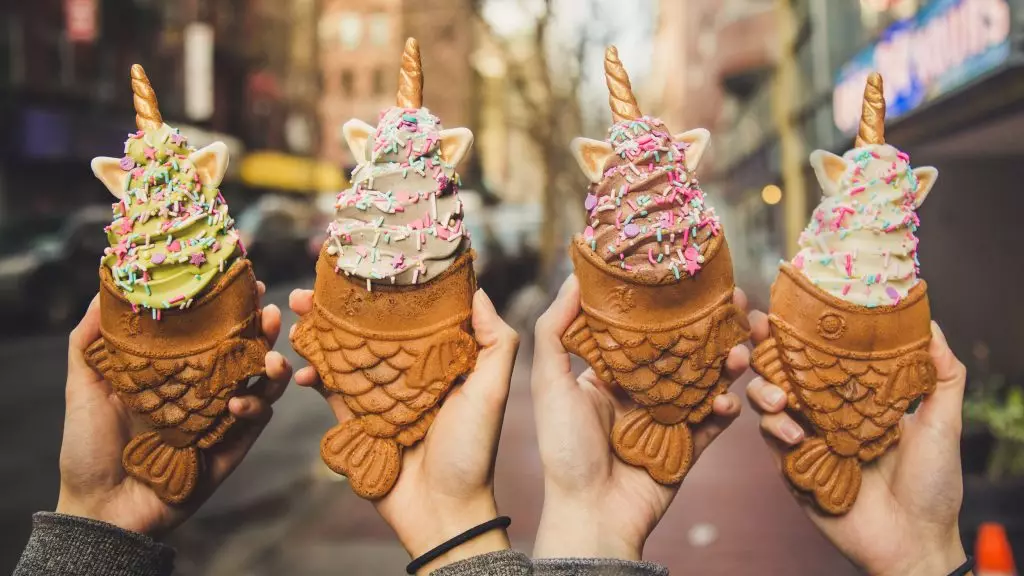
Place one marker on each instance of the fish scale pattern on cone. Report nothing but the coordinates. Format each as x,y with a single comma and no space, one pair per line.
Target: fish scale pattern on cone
851,372
392,379
180,383
666,346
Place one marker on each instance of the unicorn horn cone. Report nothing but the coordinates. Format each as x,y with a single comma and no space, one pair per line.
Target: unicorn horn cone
620,91
147,110
410,78
872,117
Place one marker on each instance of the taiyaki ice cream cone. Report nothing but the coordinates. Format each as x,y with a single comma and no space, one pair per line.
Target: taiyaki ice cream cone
656,283
849,317
390,325
179,307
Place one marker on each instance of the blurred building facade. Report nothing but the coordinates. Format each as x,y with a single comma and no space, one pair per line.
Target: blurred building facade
219,68
360,52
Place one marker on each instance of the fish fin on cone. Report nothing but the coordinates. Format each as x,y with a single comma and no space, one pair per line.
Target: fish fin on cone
371,464
766,360
171,472
579,339
664,450
305,342
833,480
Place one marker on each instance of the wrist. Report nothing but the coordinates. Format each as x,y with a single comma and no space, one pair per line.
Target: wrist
581,531
449,520
100,511
938,560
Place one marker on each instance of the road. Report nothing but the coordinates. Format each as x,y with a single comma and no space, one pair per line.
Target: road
282,512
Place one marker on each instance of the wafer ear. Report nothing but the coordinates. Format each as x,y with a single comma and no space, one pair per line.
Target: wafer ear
357,134
926,176
829,169
698,140
211,163
108,171
591,155
455,143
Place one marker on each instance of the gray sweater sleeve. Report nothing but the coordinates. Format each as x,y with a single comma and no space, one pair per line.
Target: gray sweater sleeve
63,545
502,563
595,567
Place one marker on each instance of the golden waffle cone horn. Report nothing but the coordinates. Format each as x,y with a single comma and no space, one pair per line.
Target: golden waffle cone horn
872,117
620,92
410,78
147,111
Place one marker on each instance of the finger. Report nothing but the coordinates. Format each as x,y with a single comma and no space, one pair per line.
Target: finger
254,414
783,428
261,288
87,332
301,301
499,344
271,319
279,373
250,408
724,410
737,362
550,360
740,300
759,329
766,397
944,407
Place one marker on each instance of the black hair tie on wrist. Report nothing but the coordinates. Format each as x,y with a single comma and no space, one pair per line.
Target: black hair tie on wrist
437,552
964,568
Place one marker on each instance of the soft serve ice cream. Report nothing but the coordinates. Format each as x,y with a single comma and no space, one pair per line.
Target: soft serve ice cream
401,221
171,234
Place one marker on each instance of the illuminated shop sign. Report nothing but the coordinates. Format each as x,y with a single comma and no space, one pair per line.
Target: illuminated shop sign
945,45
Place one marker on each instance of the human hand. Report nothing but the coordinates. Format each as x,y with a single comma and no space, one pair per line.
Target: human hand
595,505
446,484
97,427
905,518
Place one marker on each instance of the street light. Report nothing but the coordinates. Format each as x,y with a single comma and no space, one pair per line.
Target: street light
771,194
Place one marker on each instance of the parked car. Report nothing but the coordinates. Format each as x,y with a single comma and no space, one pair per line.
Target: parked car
275,233
48,266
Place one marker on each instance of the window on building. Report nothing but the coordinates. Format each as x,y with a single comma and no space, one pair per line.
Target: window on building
378,82
380,29
348,83
350,30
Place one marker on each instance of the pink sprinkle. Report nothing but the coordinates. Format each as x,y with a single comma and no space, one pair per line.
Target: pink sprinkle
893,294
631,230
798,262
846,290
591,202
690,253
361,250
150,153
857,190
849,265
174,246
650,255
588,233
158,258
692,267
177,298
631,205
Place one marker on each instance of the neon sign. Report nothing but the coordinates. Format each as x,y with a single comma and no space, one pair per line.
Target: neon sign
945,45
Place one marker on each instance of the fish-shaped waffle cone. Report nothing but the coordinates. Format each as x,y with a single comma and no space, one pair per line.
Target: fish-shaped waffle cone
176,374
851,372
392,353
663,343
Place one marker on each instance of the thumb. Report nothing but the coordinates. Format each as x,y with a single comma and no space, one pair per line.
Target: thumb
498,342
550,360
87,332
944,408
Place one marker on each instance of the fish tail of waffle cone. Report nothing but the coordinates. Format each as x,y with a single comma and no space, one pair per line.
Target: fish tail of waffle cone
665,344
177,374
850,373
392,353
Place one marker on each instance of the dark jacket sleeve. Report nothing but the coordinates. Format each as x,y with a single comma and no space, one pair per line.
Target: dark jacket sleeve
595,567
63,545
502,563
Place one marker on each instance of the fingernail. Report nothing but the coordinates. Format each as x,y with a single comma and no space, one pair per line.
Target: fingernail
791,432
773,395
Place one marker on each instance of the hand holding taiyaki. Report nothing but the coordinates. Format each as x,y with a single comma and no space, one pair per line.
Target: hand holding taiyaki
446,485
96,430
905,519
595,504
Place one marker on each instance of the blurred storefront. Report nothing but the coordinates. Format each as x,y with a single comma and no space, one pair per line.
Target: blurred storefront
64,95
954,85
